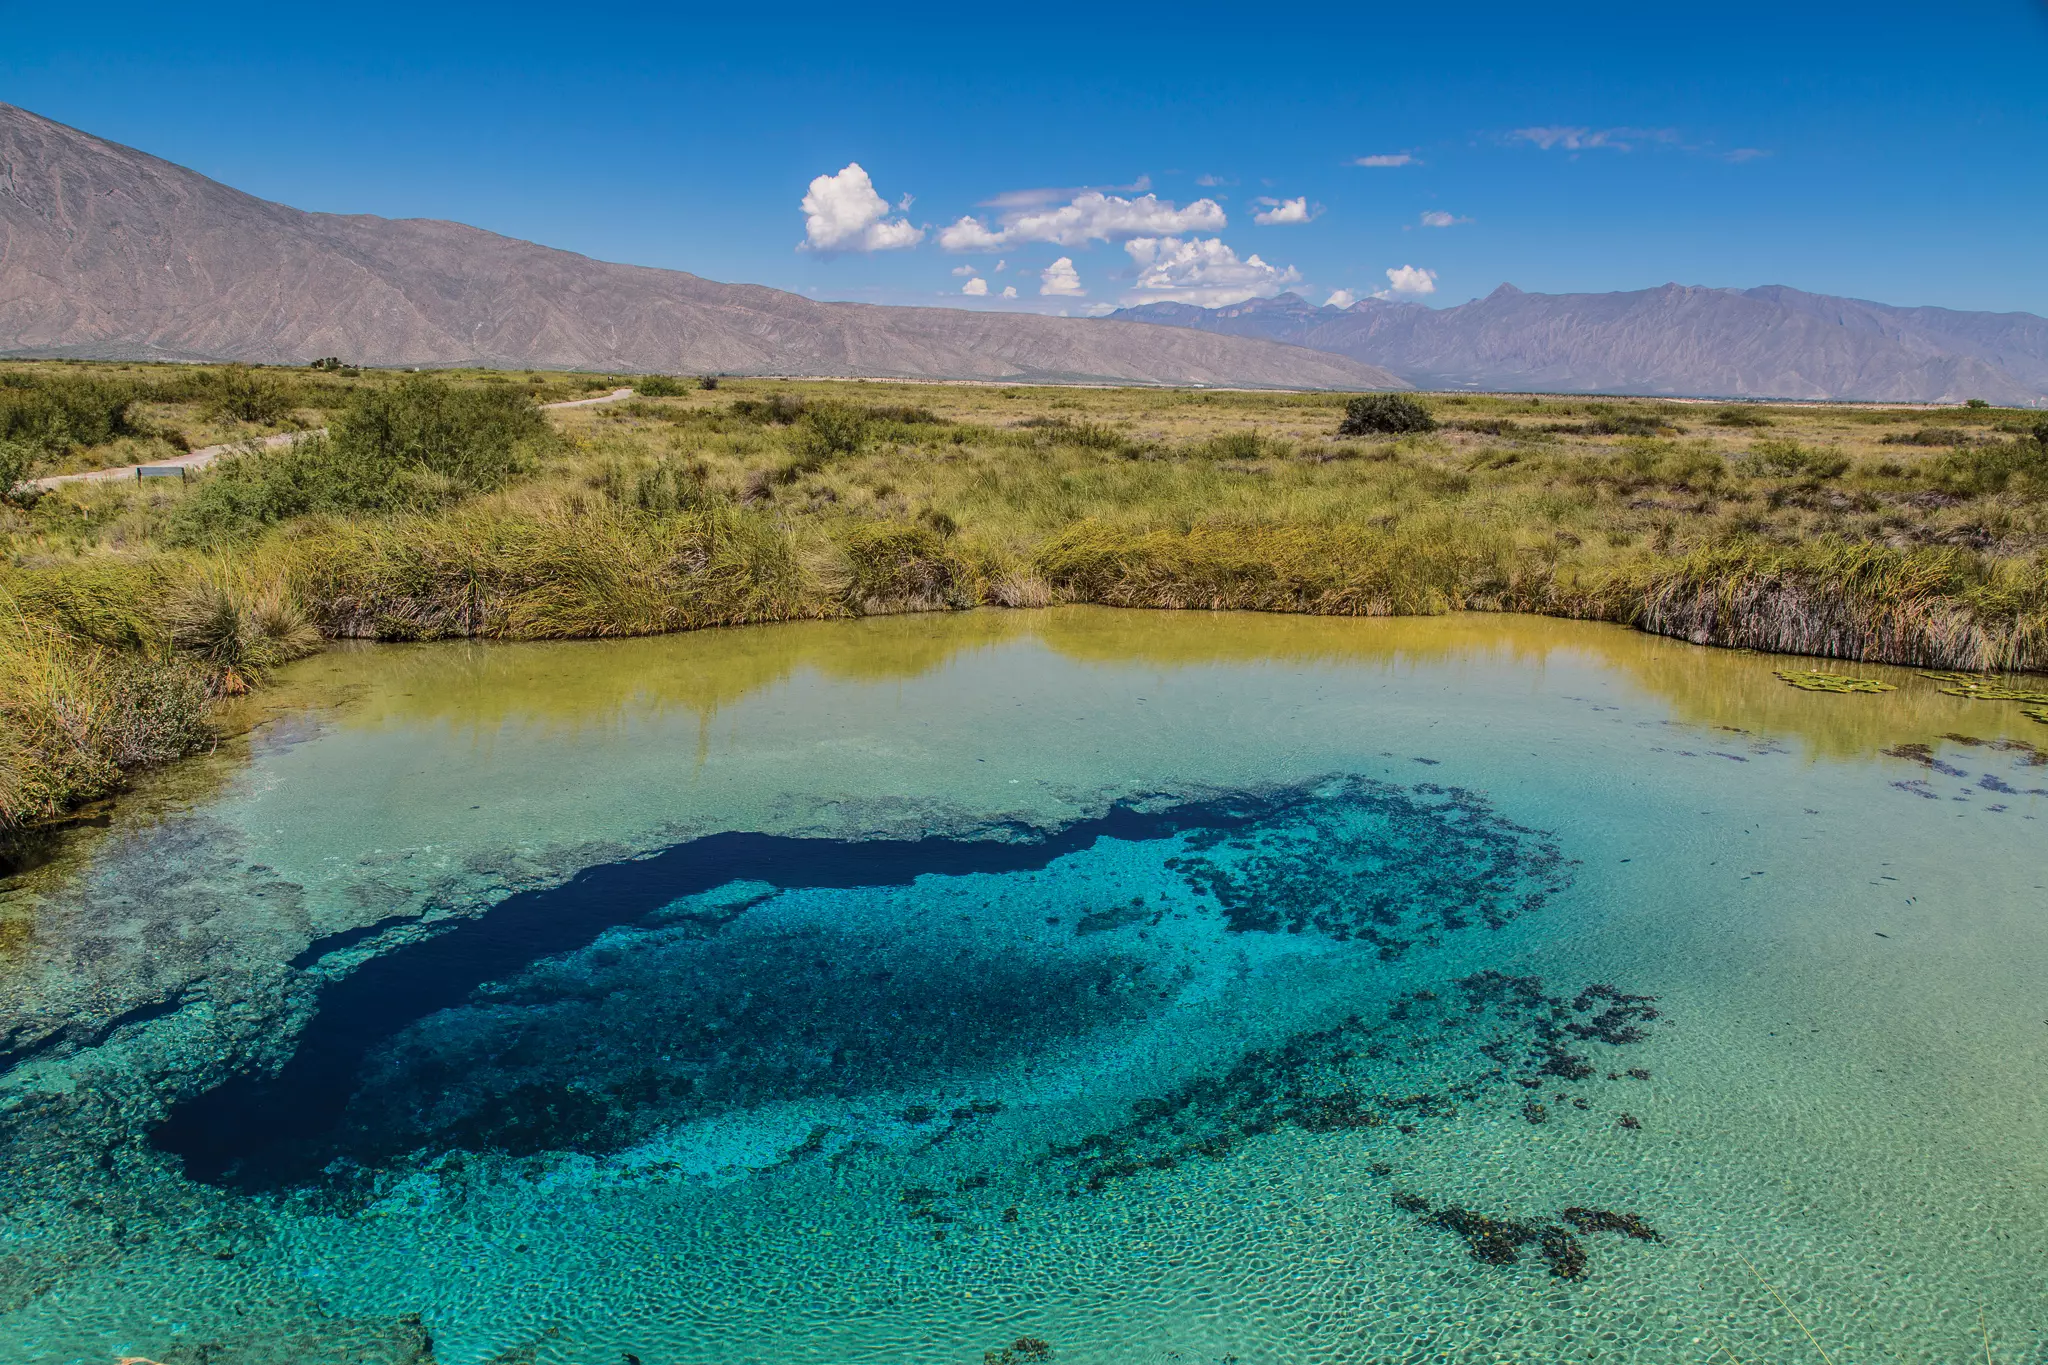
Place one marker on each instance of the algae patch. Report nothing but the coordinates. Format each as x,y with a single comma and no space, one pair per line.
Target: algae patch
1813,680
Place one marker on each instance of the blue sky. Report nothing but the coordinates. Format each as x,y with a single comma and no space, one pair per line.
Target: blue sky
1886,151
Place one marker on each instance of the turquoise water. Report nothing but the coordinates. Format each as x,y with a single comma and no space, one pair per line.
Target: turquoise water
1068,985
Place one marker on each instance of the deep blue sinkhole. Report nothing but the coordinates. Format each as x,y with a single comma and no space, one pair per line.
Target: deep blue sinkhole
275,1131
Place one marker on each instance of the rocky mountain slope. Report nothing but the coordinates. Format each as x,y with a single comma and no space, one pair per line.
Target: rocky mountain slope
111,253
1772,342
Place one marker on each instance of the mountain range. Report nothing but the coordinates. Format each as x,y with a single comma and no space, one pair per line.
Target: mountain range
1772,342
110,253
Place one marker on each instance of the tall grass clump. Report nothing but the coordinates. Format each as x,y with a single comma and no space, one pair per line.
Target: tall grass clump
237,629
1328,570
1932,607
76,717
894,566
523,576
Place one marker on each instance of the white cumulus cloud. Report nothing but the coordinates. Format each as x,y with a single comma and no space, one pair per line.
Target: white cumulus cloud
1278,211
843,213
1201,271
1060,278
1342,298
963,270
970,234
1090,216
976,286
1438,218
1410,281
1387,159
1009,291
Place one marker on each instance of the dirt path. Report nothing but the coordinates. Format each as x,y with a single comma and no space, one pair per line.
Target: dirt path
200,459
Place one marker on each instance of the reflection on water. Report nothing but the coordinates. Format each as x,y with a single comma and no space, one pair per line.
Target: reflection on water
597,683
1075,985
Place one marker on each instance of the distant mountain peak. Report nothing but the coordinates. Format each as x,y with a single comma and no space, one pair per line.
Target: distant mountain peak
1692,340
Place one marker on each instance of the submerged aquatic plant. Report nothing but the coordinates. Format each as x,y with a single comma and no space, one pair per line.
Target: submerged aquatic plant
1813,680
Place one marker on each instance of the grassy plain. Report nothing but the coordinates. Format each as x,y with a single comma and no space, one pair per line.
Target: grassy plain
439,510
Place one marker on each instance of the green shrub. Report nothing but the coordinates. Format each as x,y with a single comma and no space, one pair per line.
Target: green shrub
660,386
2010,467
662,489
478,439
1928,436
1384,414
1739,417
242,394
1086,435
896,567
55,413
1789,459
17,460
416,446
1629,424
783,409
833,429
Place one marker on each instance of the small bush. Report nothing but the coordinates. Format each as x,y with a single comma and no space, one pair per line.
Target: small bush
2010,467
903,414
1629,424
1739,417
413,447
782,409
661,489
242,394
660,386
833,429
707,382
476,438
1384,414
1087,435
1928,436
61,412
1789,459
17,459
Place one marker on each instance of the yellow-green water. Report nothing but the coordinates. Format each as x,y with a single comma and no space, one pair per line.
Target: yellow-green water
1185,1086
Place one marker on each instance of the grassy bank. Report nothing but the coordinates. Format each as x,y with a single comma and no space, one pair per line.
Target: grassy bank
446,507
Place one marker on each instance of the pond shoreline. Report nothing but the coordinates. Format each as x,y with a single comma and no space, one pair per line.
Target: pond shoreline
1700,618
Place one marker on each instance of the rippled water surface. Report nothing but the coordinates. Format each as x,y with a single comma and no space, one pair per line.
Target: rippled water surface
1072,985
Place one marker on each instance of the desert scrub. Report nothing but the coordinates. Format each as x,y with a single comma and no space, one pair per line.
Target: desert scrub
420,444
1385,414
